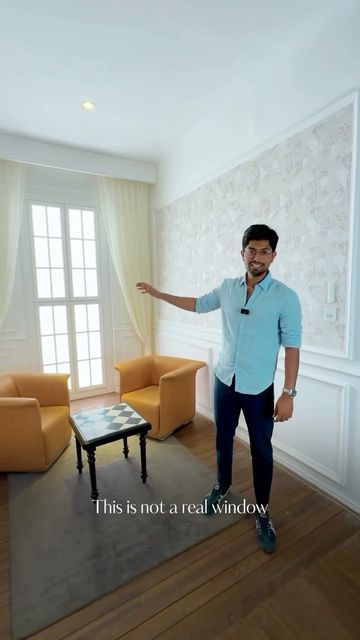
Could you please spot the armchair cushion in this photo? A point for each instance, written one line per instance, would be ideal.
(167, 397)
(146, 401)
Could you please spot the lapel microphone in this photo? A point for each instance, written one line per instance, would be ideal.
(245, 312)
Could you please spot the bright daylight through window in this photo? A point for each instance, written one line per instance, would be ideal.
(67, 293)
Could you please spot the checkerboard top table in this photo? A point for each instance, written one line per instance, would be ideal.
(104, 423)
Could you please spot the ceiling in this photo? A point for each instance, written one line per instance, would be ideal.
(154, 68)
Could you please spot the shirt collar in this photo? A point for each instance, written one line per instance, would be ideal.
(264, 284)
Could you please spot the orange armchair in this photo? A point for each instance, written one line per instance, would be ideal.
(161, 389)
(34, 420)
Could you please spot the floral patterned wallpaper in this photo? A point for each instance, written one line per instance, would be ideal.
(301, 188)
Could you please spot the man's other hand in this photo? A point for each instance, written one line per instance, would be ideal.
(283, 408)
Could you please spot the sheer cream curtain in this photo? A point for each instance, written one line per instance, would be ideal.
(125, 207)
(12, 176)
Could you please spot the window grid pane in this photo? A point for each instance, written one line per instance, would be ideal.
(57, 283)
(77, 254)
(84, 374)
(80, 318)
(43, 283)
(78, 283)
(88, 345)
(39, 220)
(46, 321)
(62, 348)
(91, 283)
(54, 339)
(75, 225)
(48, 350)
(48, 251)
(96, 371)
(41, 252)
(83, 253)
(90, 254)
(88, 225)
(54, 222)
(95, 344)
(82, 346)
(56, 254)
(60, 319)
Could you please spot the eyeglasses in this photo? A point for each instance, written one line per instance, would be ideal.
(253, 252)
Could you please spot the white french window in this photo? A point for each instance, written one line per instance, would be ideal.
(68, 293)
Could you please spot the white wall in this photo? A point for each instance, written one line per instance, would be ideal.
(322, 442)
(19, 348)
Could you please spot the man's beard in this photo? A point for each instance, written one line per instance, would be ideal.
(257, 271)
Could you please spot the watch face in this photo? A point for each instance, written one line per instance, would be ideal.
(291, 392)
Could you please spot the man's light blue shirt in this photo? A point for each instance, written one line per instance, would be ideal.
(251, 343)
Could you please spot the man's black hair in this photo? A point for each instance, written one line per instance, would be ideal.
(260, 232)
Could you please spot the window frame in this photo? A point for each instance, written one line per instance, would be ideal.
(69, 301)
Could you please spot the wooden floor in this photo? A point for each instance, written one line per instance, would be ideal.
(225, 587)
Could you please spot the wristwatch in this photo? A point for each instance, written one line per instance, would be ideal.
(291, 392)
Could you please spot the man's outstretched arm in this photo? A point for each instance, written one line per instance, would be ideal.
(178, 301)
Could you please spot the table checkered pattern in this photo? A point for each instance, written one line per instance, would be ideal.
(99, 422)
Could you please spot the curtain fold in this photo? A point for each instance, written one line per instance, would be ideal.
(12, 177)
(125, 209)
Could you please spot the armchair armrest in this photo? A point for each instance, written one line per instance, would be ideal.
(177, 397)
(50, 389)
(19, 415)
(21, 435)
(134, 374)
(187, 369)
(18, 403)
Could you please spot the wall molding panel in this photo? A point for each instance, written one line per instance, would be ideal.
(127, 344)
(329, 420)
(315, 444)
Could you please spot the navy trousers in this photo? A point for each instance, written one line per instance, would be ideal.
(258, 413)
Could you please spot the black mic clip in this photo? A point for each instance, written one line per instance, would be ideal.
(245, 312)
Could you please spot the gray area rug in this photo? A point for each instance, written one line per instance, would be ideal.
(64, 554)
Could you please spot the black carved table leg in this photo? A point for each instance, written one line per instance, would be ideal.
(91, 460)
(79, 464)
(142, 439)
(126, 448)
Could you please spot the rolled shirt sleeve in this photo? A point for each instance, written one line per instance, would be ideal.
(209, 302)
(290, 321)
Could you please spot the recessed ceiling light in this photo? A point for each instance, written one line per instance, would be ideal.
(87, 105)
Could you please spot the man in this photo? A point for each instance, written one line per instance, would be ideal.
(259, 314)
